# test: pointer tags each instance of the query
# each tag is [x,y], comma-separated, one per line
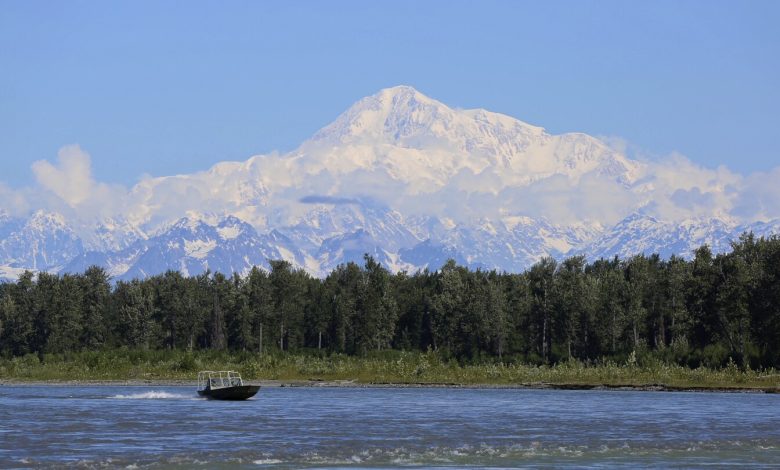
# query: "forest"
[707,311]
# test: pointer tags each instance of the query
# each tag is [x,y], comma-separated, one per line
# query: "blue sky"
[172,87]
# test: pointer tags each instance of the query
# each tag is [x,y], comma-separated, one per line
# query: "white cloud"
[71,179]
[74,189]
[758,196]
[273,189]
[13,202]
[562,200]
[674,188]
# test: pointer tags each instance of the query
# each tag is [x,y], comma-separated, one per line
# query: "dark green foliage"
[133,315]
[96,291]
[710,311]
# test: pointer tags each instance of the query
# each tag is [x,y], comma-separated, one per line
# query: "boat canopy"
[211,379]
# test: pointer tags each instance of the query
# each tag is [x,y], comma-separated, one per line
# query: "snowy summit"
[400,176]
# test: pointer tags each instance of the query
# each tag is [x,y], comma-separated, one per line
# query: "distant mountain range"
[399,176]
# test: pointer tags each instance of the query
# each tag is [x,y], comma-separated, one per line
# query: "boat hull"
[241,392]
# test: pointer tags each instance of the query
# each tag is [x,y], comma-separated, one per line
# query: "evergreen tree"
[610,317]
[732,300]
[701,311]
[239,316]
[289,288]
[133,316]
[541,279]
[677,277]
[259,300]
[96,291]
[573,316]
[16,328]
[341,291]
[171,308]
[700,302]
[636,288]
[219,296]
[62,301]
[498,324]
[448,308]
[378,310]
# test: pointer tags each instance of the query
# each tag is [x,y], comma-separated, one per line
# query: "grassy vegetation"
[388,367]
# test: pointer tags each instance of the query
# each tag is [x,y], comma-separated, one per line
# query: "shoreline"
[356,384]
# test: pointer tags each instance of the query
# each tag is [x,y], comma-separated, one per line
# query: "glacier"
[399,176]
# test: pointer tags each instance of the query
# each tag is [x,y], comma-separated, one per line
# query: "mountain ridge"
[398,175]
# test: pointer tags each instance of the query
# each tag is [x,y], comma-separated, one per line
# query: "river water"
[170,427]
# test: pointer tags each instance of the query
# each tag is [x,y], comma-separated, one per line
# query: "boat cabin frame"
[216,379]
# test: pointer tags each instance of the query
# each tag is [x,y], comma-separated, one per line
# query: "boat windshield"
[210,379]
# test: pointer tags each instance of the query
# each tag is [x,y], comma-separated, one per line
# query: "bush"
[187,363]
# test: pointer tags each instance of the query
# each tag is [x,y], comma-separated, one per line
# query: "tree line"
[705,311]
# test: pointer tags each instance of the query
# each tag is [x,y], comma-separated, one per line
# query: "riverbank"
[354,384]
[392,369]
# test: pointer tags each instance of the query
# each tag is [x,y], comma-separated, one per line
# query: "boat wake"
[154,395]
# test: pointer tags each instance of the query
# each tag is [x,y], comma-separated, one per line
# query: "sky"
[169,87]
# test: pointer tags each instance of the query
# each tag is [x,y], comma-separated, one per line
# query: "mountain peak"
[401,116]
[188,223]
[42,219]
[402,94]
[387,115]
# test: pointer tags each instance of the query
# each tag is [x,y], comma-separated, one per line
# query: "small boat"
[224,385]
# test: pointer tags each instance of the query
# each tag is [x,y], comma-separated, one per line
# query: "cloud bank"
[278,189]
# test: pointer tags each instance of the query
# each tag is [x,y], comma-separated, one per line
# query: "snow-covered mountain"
[114,233]
[43,241]
[423,142]
[400,176]
[192,247]
[643,234]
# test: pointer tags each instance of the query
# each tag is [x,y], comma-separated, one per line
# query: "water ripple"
[171,427]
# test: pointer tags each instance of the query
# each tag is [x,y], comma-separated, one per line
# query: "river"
[170,427]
